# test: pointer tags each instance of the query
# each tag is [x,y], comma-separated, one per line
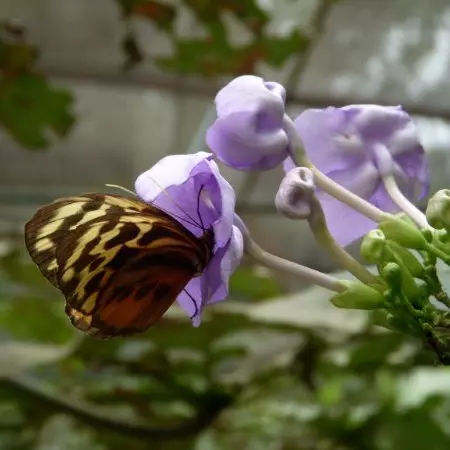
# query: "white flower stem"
[327,184]
[403,203]
[323,236]
[277,263]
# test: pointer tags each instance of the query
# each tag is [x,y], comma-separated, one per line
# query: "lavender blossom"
[192,190]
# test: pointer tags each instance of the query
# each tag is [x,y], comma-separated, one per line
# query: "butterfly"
[119,262]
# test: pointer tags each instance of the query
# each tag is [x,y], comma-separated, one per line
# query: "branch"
[202,88]
[213,403]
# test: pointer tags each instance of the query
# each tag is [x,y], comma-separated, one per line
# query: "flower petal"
[339,215]
[239,142]
[184,187]
[328,143]
[212,285]
[357,146]
[192,190]
[248,133]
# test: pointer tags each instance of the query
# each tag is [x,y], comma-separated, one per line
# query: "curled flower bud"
[358,296]
[438,209]
[372,246]
[294,195]
[248,133]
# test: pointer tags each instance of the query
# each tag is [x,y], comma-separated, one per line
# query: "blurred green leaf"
[277,50]
[30,108]
[418,429]
[35,317]
[248,283]
[62,432]
[21,356]
[421,385]
[214,54]
[369,354]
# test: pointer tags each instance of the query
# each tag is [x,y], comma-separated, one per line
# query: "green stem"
[403,203]
[277,263]
[435,285]
[438,252]
[320,230]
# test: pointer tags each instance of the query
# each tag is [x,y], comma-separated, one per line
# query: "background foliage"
[236,380]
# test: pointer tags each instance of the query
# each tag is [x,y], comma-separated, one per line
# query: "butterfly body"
[119,262]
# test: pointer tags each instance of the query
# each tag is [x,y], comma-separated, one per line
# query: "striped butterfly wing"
[119,262]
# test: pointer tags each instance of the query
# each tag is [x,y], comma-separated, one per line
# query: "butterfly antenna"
[198,207]
[116,186]
[135,195]
[193,302]
[193,222]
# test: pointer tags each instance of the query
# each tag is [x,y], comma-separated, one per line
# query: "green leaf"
[161,14]
[21,356]
[30,109]
[372,353]
[35,317]
[247,283]
[278,49]
[62,432]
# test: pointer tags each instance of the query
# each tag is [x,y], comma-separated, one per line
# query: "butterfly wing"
[48,230]
[119,262]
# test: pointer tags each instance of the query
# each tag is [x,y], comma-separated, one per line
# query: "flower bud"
[248,133]
[392,273]
[400,280]
[407,258]
[403,233]
[387,320]
[372,247]
[294,195]
[438,209]
[358,296]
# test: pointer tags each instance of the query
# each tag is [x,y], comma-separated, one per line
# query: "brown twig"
[211,406]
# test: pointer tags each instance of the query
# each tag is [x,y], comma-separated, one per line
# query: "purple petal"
[192,190]
[415,166]
[357,146]
[243,141]
[186,187]
[361,179]
[250,93]
[375,122]
[212,285]
[248,133]
[328,144]
[339,216]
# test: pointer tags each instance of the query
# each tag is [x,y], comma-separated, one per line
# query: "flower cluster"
[351,172]
[347,170]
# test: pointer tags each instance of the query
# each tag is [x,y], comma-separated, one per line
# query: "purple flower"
[356,146]
[248,133]
[192,190]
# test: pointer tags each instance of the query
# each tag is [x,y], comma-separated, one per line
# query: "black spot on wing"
[122,292]
[94,283]
[170,260]
[108,226]
[142,291]
[128,232]
[161,291]
[96,263]
[124,255]
[155,233]
[90,206]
